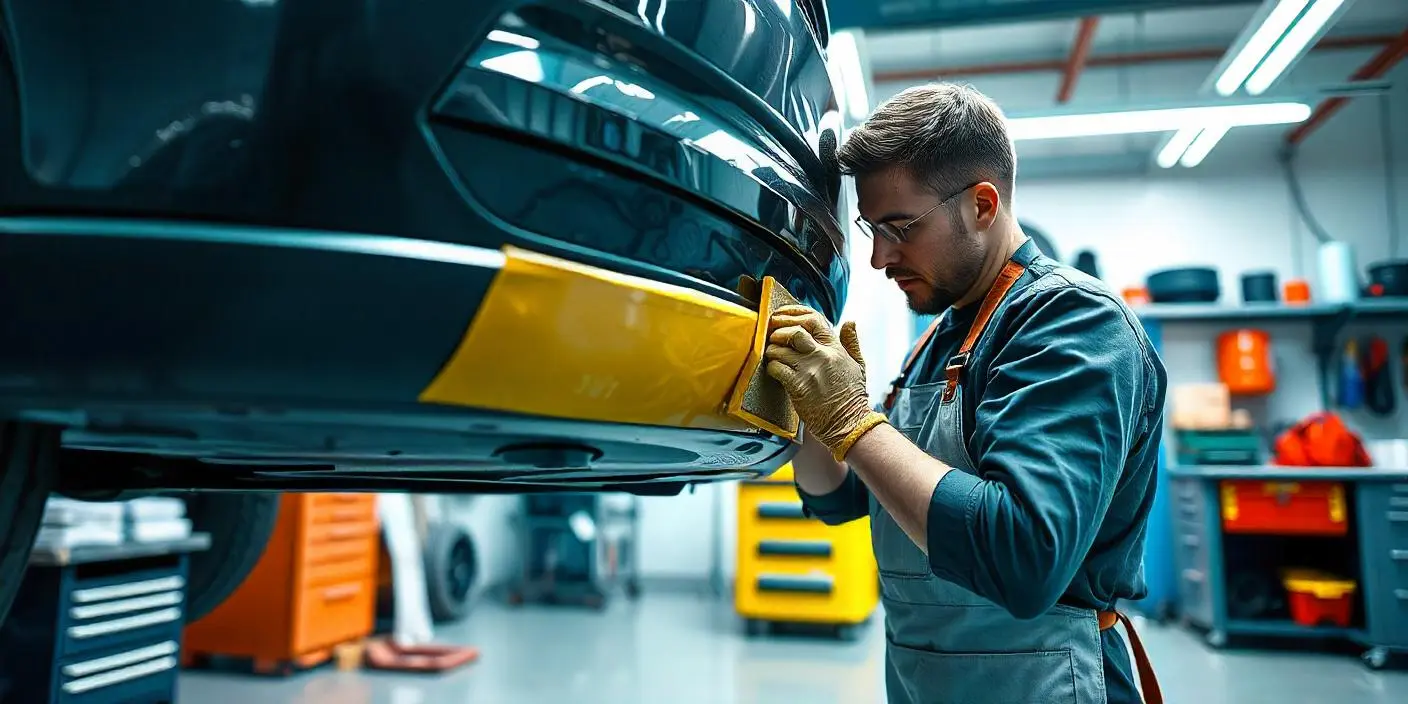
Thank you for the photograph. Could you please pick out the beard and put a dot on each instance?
(951, 279)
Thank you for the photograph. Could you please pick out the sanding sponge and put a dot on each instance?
(757, 398)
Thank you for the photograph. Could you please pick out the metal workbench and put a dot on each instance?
(1379, 528)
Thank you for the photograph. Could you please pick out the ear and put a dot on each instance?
(989, 204)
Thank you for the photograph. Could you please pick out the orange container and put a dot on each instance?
(1284, 508)
(1296, 291)
(1244, 362)
(314, 587)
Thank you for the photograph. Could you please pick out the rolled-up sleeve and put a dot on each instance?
(846, 503)
(1060, 409)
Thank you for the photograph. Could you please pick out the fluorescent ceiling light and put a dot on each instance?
(844, 55)
(1261, 41)
(1292, 45)
(1173, 151)
(1199, 149)
(1158, 120)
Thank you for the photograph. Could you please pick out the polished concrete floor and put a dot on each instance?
(681, 649)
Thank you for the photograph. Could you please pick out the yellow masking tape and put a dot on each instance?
(560, 339)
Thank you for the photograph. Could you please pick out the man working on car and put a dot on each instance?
(1010, 474)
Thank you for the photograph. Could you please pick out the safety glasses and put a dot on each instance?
(899, 234)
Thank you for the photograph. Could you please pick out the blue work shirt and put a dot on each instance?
(1063, 409)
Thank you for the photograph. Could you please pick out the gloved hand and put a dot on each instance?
(824, 375)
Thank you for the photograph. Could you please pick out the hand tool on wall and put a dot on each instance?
(1351, 381)
(1378, 378)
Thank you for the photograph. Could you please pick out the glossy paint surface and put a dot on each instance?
(333, 115)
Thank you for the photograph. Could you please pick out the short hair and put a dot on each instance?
(948, 135)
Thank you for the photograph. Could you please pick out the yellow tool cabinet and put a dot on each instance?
(797, 569)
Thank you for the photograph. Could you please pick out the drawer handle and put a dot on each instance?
(131, 657)
(1192, 541)
(346, 532)
(1398, 554)
(780, 509)
(129, 623)
(1400, 488)
(345, 498)
(111, 608)
(122, 591)
(1193, 575)
(1398, 516)
(1188, 509)
(807, 585)
(126, 674)
(798, 548)
(341, 593)
(1398, 501)
(1401, 594)
(348, 514)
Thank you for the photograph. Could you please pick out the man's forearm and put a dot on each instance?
(814, 470)
(901, 476)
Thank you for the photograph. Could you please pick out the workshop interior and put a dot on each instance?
(413, 352)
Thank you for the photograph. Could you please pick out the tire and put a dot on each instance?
(239, 525)
(451, 567)
(27, 474)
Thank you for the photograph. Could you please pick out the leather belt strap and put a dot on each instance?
(1005, 279)
(1009, 275)
(1148, 682)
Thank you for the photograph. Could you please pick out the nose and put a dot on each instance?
(883, 253)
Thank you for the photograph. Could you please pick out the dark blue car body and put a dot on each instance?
(238, 237)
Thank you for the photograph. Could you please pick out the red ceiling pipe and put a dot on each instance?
(1080, 51)
(1134, 58)
(1376, 67)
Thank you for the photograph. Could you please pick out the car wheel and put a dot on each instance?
(450, 570)
(27, 460)
(239, 525)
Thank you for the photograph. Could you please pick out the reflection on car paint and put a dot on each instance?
(675, 136)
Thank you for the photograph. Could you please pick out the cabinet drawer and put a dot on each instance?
(108, 612)
(323, 571)
(322, 534)
(136, 672)
(367, 501)
(328, 615)
(340, 513)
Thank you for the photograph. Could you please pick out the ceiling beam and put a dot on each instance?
(1080, 51)
(1376, 67)
(1133, 58)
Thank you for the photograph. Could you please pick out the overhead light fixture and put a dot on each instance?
(843, 55)
(1173, 151)
(1293, 45)
(1261, 41)
(1156, 120)
(1199, 149)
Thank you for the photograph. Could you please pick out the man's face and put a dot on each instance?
(941, 256)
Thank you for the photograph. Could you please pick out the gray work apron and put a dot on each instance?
(947, 645)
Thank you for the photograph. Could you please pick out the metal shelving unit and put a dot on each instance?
(1327, 321)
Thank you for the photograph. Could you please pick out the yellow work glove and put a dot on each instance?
(824, 375)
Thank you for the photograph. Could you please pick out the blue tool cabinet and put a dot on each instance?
(1380, 523)
(98, 625)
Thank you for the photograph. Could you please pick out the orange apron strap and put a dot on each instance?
(1148, 682)
(1009, 275)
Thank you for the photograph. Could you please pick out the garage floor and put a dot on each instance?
(682, 649)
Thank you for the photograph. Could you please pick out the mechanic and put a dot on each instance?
(1010, 473)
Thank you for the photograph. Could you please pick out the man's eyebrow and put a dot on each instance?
(890, 217)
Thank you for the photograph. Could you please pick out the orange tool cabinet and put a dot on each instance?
(314, 587)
